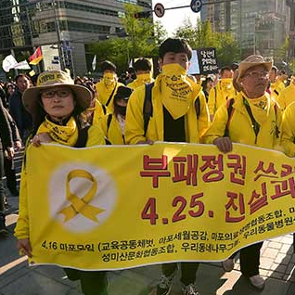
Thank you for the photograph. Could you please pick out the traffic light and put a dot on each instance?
(143, 14)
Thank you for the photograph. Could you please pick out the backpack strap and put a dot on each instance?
(147, 106)
(109, 100)
(276, 92)
(110, 116)
(277, 127)
(104, 109)
(198, 107)
(230, 112)
(82, 137)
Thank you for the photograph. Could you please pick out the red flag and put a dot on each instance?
(36, 56)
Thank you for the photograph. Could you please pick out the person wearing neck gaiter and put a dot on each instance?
(255, 120)
(113, 125)
(174, 119)
(107, 87)
(143, 69)
(223, 91)
(55, 105)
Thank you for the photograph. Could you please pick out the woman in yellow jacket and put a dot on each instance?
(254, 120)
(55, 104)
(113, 124)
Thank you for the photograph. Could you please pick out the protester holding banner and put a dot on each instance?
(107, 87)
(55, 104)
(143, 69)
(169, 110)
(113, 125)
(251, 118)
(223, 91)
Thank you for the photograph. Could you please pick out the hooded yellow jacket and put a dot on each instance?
(113, 133)
(276, 88)
(195, 128)
(95, 137)
(288, 131)
(240, 125)
(287, 96)
(105, 92)
(218, 96)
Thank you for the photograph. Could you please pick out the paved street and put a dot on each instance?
(277, 266)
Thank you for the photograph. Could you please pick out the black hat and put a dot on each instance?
(123, 92)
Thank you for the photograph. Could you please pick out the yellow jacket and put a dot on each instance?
(113, 133)
(287, 96)
(288, 131)
(218, 96)
(99, 112)
(276, 88)
(195, 128)
(136, 83)
(105, 92)
(240, 125)
(21, 231)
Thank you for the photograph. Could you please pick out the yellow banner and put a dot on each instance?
(119, 207)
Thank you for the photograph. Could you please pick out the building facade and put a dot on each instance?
(66, 25)
(260, 26)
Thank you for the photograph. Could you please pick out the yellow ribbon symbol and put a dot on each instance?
(80, 205)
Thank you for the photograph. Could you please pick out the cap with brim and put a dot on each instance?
(50, 79)
(123, 92)
(252, 61)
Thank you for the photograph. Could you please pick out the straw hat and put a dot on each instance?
(252, 61)
(51, 79)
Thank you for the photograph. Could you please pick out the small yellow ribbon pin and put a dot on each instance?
(81, 205)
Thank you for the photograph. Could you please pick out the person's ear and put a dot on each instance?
(160, 63)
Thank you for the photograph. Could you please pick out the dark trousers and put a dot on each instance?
(250, 260)
(188, 271)
(10, 174)
(2, 191)
(92, 282)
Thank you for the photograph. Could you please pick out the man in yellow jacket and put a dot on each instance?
(276, 85)
(107, 87)
(287, 96)
(254, 120)
(177, 115)
(223, 91)
(143, 69)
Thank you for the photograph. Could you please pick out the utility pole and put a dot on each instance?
(57, 28)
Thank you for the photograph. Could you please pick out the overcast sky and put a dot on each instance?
(172, 19)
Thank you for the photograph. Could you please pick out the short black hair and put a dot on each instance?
(274, 68)
(107, 65)
(22, 76)
(226, 68)
(176, 45)
(142, 64)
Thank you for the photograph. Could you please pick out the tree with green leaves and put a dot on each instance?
(142, 40)
(202, 36)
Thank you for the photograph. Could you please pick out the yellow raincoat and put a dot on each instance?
(240, 125)
(287, 96)
(195, 128)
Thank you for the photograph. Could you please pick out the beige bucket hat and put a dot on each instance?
(250, 62)
(50, 79)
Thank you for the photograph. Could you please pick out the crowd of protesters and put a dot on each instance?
(112, 110)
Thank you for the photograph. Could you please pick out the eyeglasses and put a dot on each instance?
(257, 75)
(62, 93)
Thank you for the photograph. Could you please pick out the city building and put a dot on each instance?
(260, 26)
(65, 26)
